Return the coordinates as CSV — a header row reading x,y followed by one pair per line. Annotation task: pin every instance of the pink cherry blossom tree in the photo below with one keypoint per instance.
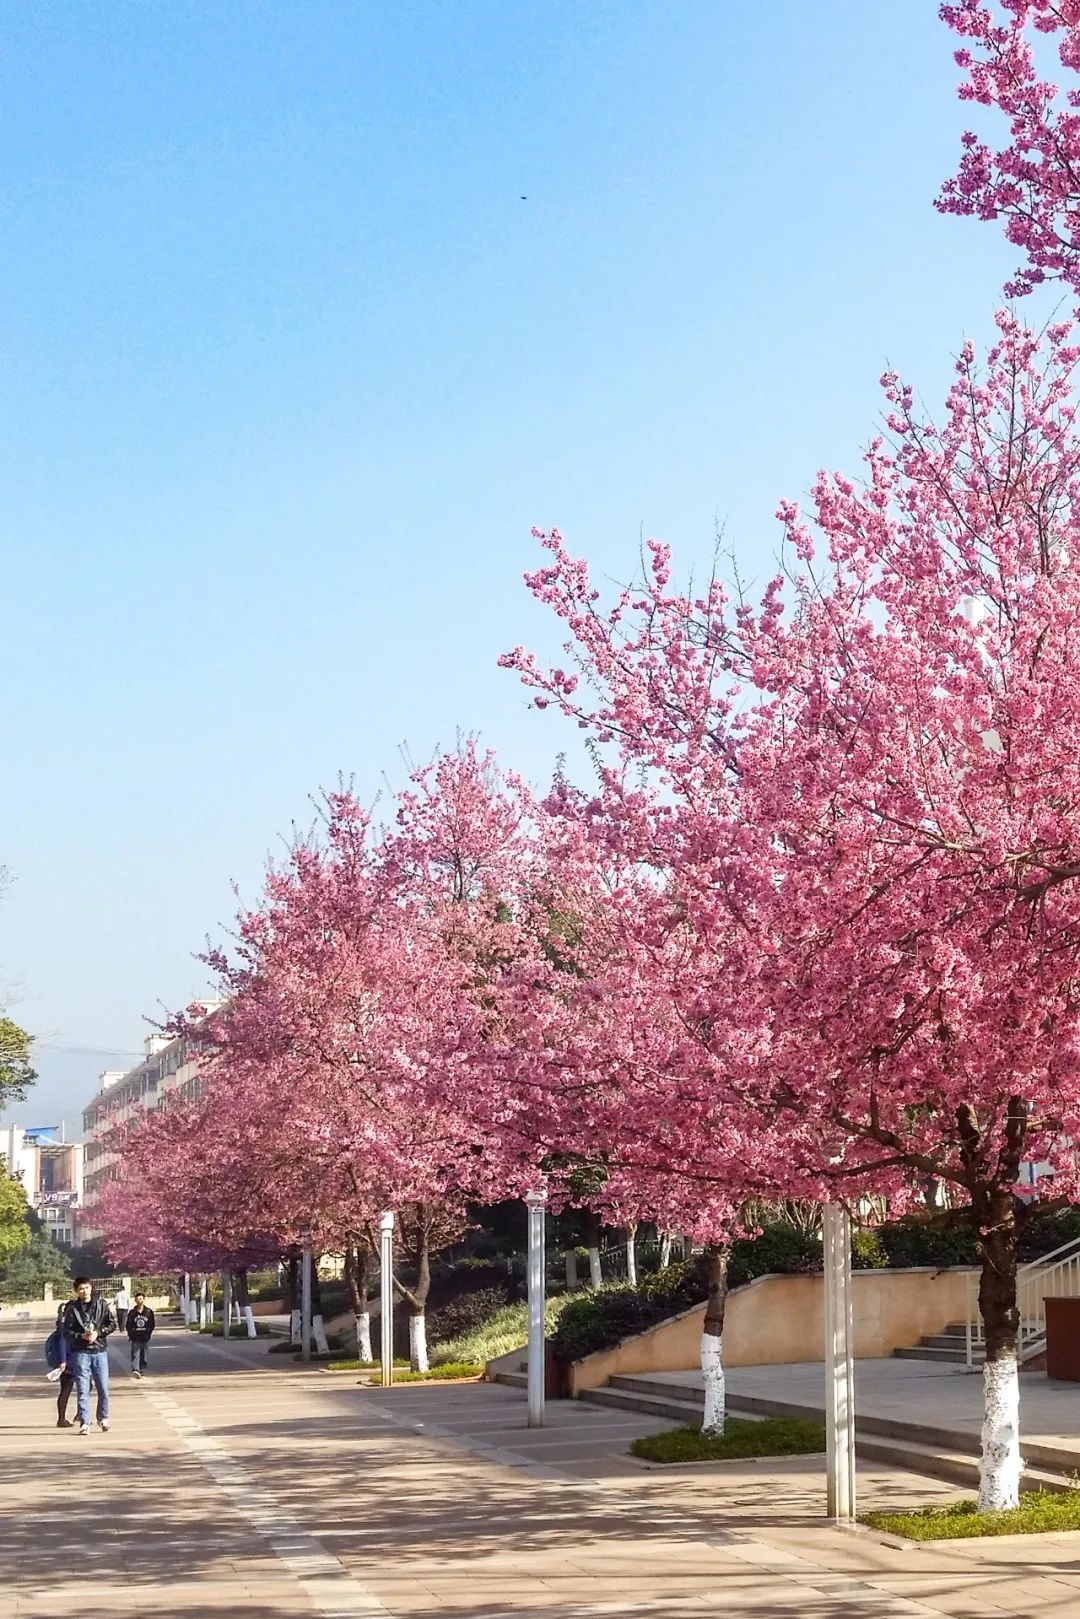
x,y
1031,183
865,790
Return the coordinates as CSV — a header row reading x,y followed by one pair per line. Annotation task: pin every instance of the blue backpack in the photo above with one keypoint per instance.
x,y
53,1351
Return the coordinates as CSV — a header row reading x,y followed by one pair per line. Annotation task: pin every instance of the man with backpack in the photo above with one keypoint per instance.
x,y
57,1354
140,1329
87,1323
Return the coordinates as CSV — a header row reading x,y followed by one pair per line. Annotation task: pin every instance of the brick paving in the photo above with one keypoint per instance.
x,y
232,1484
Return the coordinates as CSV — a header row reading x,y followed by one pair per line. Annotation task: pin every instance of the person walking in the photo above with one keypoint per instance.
x,y
61,1372
140,1330
123,1305
88,1321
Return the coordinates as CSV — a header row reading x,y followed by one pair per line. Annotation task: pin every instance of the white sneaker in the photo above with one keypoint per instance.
x,y
84,1428
105,1425
134,1373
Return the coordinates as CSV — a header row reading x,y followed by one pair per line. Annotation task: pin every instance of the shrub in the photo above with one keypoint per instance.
x,y
778,1248
507,1329
1042,1233
909,1244
465,1314
867,1252
599,1319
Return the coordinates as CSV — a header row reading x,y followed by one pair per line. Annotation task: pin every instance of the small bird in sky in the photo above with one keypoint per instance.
x,y
524,199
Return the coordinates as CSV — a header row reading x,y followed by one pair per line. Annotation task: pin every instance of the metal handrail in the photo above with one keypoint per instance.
x,y
1063,1261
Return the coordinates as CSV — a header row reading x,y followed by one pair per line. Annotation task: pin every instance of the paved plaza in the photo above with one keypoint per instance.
x,y
231,1484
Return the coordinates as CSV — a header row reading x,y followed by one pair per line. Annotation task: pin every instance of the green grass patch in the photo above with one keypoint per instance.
x,y
402,1373
441,1374
1041,1512
346,1365
772,1436
218,1331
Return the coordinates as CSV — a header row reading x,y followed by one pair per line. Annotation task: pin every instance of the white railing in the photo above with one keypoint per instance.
x,y
1055,1275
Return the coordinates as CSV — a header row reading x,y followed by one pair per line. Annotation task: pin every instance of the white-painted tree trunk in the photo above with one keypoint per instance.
x,y
712,1371
318,1332
665,1249
631,1260
418,1343
295,1327
571,1269
363,1336
596,1275
249,1321
999,1475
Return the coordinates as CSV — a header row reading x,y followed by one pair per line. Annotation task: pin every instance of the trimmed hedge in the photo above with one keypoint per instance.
x,y
596,1320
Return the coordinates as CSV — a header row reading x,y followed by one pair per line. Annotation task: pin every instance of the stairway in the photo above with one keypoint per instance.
x,y
949,1347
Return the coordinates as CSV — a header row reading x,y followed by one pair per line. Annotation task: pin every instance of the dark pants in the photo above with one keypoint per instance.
x,y
121,1318
67,1389
139,1347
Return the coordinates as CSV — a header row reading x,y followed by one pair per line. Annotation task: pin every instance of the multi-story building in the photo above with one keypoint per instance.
x,y
167,1067
51,1171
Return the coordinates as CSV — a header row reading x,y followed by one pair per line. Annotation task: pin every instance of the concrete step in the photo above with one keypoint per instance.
x,y
943,1340
935,1461
643,1384
649,1405
512,1380
918,1447
946,1356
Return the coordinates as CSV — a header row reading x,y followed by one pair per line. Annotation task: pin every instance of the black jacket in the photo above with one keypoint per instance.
x,y
140,1324
79,1316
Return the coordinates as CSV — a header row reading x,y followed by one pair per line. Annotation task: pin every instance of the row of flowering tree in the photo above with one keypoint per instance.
x,y
814,930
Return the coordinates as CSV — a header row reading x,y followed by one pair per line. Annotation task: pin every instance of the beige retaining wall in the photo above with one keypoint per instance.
x,y
779,1320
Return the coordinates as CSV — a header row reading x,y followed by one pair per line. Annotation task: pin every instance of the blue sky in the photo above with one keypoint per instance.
x,y
290,370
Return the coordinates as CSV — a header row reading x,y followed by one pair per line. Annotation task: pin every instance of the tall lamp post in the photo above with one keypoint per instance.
x,y
386,1296
536,1203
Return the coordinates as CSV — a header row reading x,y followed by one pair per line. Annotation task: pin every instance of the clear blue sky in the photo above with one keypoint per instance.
x,y
290,370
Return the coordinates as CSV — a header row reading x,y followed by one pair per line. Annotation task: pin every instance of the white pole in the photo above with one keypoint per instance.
x,y
226,1303
536,1203
305,1300
839,1365
386,1306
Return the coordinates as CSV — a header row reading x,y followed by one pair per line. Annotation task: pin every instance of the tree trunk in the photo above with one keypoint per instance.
x,y
416,1296
418,1357
631,1255
592,1228
570,1258
999,1480
295,1326
357,1272
665,1250
243,1302
318,1329
712,1332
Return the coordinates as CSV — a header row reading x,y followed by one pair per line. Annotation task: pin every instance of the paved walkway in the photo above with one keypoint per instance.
x,y
231,1484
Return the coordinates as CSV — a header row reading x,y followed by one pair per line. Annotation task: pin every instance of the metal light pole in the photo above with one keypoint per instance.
x,y
305,1300
386,1293
839,1365
536,1203
226,1303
